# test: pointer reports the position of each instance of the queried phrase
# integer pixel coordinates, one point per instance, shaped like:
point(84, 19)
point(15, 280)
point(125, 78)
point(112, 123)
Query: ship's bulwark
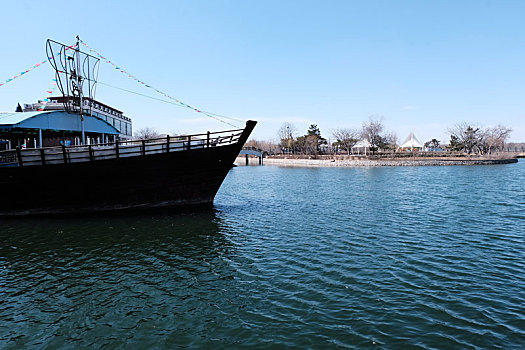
point(174, 179)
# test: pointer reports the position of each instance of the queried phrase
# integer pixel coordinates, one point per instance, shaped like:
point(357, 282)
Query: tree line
point(311, 143)
point(471, 139)
point(464, 137)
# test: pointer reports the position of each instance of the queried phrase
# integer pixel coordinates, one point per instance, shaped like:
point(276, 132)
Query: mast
point(81, 95)
point(73, 69)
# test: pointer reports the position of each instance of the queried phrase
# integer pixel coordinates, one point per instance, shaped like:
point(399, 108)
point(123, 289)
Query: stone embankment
point(364, 162)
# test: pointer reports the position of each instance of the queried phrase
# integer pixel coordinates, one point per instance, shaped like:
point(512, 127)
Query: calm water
point(414, 257)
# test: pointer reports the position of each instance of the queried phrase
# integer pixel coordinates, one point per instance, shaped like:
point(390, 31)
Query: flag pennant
point(122, 70)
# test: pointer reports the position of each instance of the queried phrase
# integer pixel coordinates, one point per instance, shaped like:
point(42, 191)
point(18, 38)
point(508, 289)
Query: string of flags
point(32, 67)
point(53, 86)
point(23, 72)
point(49, 93)
point(125, 72)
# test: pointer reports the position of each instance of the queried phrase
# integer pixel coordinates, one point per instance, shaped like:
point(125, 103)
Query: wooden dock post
point(117, 151)
point(64, 154)
point(19, 156)
point(43, 156)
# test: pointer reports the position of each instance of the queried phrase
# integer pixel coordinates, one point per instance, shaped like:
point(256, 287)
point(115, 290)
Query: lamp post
point(289, 143)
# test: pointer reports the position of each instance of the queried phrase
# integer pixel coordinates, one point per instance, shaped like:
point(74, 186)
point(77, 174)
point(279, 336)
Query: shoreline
point(351, 163)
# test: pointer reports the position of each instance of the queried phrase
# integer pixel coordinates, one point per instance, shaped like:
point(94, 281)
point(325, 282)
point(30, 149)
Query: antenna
point(76, 75)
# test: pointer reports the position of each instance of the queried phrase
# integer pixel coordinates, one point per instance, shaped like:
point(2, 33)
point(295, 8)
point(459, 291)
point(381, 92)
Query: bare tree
point(146, 133)
point(465, 137)
point(496, 138)
point(468, 138)
point(287, 131)
point(391, 140)
point(346, 138)
point(515, 147)
point(286, 135)
point(373, 132)
point(265, 146)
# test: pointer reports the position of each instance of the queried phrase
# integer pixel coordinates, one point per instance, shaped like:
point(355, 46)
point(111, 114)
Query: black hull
point(177, 179)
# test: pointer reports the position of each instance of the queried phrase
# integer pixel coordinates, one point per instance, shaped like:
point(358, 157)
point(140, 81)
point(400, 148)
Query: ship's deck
point(119, 149)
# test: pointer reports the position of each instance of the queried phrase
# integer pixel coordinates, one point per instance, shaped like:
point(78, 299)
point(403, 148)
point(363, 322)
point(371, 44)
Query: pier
point(252, 151)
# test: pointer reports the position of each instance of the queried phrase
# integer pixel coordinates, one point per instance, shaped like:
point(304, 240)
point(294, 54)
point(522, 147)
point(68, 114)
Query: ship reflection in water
point(108, 279)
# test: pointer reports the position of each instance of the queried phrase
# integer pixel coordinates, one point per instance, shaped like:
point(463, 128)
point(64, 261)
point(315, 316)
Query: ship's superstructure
point(92, 107)
point(52, 128)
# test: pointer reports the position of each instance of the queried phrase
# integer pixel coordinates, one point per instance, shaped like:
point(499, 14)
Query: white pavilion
point(411, 143)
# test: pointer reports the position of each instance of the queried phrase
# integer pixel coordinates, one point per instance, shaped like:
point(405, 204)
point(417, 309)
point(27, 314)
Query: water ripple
point(430, 258)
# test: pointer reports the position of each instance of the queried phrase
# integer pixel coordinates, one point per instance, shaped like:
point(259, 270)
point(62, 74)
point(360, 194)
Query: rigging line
point(138, 93)
point(24, 72)
point(161, 100)
point(211, 115)
point(223, 116)
point(28, 70)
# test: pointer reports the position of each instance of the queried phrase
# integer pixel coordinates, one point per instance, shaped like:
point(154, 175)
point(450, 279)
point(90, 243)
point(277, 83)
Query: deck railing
point(119, 149)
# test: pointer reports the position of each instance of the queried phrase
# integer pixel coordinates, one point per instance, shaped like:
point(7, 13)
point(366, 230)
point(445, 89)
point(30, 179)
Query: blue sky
point(422, 65)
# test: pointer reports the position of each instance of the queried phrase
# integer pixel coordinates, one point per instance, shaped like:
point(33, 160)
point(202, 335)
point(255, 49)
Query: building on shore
point(361, 147)
point(411, 143)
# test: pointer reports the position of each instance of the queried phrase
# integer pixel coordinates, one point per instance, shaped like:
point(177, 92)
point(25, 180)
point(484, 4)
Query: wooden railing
point(120, 149)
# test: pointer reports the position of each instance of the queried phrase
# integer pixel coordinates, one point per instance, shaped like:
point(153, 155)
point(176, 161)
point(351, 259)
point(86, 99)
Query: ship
point(177, 171)
point(120, 175)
